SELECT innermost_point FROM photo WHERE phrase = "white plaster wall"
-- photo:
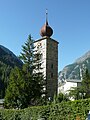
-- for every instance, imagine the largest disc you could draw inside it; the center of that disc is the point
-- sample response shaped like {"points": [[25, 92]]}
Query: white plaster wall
{"points": [[67, 86], [40, 46]]}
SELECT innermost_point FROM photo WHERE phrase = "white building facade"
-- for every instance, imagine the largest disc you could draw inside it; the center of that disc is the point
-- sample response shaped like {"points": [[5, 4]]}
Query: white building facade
{"points": [[68, 84]]}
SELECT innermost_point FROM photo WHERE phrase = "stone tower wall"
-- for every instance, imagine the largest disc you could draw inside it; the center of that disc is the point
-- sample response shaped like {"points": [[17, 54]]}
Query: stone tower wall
{"points": [[52, 67], [49, 49]]}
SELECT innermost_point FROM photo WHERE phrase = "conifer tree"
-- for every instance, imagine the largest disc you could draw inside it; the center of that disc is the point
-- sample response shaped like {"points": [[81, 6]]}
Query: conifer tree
{"points": [[86, 83], [26, 85], [15, 94], [4, 78], [32, 70]]}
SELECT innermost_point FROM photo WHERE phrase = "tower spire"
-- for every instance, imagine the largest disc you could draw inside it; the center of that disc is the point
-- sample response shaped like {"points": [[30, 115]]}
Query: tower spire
{"points": [[46, 16], [46, 30]]}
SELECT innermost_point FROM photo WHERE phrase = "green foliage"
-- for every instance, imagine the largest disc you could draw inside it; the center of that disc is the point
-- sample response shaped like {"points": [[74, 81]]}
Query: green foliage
{"points": [[76, 93], [4, 78], [7, 61], [26, 84], [27, 55], [32, 69], [63, 111], [86, 83], [60, 97], [16, 95], [82, 91]]}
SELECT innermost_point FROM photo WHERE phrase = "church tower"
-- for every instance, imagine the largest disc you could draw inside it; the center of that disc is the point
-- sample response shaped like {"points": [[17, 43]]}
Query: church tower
{"points": [[48, 47]]}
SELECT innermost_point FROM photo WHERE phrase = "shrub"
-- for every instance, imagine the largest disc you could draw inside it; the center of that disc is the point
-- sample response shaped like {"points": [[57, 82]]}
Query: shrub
{"points": [[72, 110]]}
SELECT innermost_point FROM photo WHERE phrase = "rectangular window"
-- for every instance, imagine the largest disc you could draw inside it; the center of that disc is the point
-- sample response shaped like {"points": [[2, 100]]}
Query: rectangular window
{"points": [[51, 75], [52, 66]]}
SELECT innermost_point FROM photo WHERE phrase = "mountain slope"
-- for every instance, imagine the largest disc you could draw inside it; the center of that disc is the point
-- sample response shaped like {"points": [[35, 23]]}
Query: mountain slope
{"points": [[74, 71], [8, 57], [7, 61]]}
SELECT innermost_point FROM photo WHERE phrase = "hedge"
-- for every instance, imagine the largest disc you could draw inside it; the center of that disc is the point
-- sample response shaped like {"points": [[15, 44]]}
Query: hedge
{"points": [[72, 110]]}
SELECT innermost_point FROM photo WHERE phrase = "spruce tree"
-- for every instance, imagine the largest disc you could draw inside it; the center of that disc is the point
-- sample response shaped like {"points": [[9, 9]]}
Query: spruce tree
{"points": [[26, 85], [32, 70], [86, 83], [16, 94]]}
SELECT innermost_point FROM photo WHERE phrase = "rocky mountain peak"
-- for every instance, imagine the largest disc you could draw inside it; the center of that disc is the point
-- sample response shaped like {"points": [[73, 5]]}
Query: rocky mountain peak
{"points": [[83, 58], [74, 71]]}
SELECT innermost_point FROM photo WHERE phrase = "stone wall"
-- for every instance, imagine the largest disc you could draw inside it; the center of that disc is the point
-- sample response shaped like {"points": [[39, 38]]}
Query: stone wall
{"points": [[49, 49]]}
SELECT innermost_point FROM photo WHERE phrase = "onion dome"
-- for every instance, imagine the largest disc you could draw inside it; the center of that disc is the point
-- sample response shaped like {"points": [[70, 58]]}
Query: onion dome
{"points": [[46, 30]]}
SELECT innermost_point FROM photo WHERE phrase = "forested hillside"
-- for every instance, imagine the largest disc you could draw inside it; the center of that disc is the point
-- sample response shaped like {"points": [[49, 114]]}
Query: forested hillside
{"points": [[7, 61]]}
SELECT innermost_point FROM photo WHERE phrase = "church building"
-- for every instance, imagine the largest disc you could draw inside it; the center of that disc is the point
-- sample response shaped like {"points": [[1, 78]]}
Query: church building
{"points": [[48, 47]]}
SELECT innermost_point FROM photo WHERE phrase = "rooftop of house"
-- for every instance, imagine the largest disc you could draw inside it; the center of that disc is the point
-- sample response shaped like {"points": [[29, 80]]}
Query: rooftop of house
{"points": [[73, 80]]}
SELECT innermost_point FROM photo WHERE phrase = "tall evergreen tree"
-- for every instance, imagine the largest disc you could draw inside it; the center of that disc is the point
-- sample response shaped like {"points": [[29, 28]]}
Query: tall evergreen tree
{"points": [[86, 83], [27, 54], [4, 78], [26, 85], [16, 93], [32, 70]]}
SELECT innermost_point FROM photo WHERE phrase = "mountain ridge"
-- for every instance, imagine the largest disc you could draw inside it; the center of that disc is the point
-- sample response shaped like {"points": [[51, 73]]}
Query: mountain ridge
{"points": [[8, 57], [74, 70], [8, 60], [83, 57]]}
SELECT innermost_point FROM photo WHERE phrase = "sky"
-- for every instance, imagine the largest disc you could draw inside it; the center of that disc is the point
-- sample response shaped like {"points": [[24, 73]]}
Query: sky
{"points": [[70, 20]]}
